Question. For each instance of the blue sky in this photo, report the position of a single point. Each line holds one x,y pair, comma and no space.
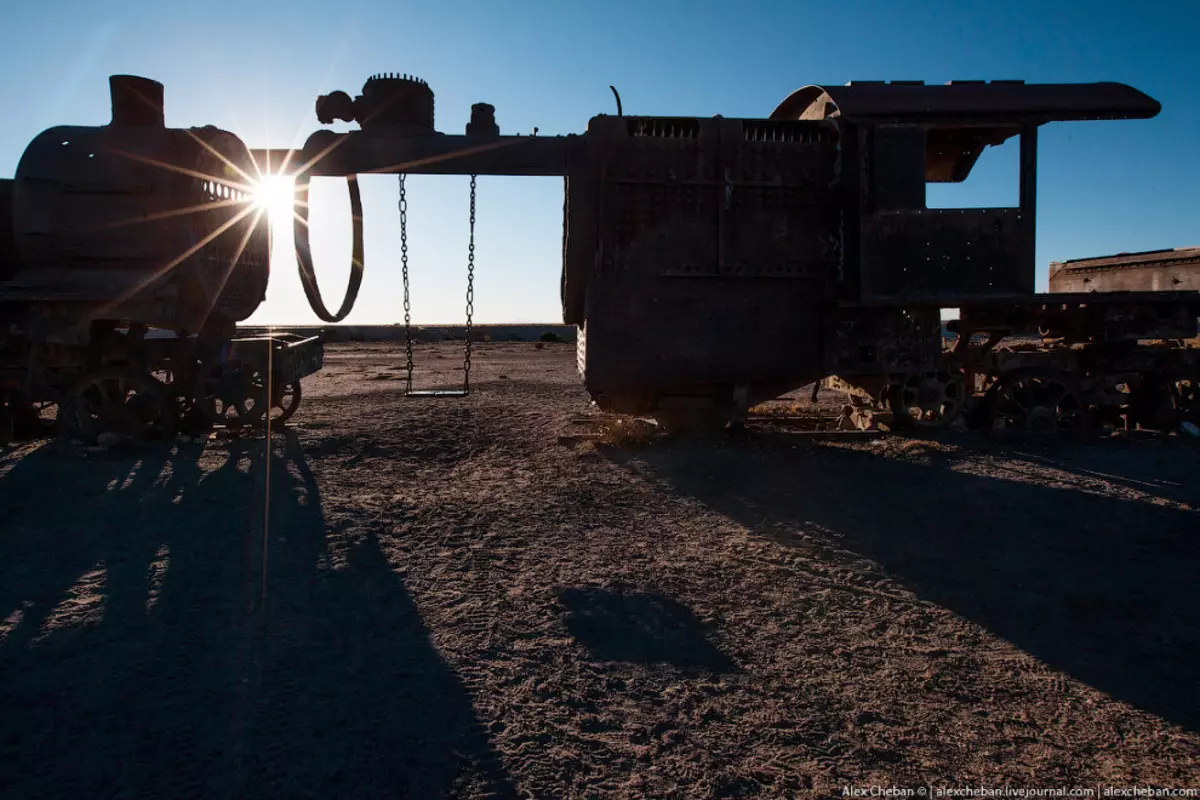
255,68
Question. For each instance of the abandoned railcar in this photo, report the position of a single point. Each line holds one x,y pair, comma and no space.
709,263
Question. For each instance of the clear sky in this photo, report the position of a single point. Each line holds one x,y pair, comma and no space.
254,67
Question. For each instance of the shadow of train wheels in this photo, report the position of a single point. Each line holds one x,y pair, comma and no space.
1043,404
927,400
116,402
284,403
233,395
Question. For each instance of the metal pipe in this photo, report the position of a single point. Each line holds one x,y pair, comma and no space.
358,153
136,101
1028,205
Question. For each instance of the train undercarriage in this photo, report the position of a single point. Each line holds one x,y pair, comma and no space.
1057,363
129,383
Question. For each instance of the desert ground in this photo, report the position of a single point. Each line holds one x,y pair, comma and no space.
414,598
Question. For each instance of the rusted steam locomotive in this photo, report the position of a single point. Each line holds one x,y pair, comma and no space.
127,254
711,264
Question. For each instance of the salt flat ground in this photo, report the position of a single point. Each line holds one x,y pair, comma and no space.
419,598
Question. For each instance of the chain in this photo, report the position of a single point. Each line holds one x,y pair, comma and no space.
470,292
408,341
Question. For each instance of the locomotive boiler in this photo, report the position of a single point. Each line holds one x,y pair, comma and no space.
155,223
128,252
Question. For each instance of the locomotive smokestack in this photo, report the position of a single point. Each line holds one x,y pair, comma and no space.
136,102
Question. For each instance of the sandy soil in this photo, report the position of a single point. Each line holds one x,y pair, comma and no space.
425,598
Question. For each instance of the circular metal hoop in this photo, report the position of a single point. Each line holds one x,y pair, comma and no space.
304,258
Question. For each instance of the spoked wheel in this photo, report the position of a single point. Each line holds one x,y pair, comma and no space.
928,400
233,395
1038,404
116,401
284,403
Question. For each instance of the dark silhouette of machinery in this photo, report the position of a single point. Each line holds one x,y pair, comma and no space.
709,263
115,235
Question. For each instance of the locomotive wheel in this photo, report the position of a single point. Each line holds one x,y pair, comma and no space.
284,403
1038,404
928,400
116,401
233,395
179,392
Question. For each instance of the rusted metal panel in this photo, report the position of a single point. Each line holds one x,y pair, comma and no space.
944,255
718,197
719,242
660,193
684,335
898,182
884,341
1154,271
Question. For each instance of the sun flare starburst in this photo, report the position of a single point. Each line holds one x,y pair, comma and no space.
275,194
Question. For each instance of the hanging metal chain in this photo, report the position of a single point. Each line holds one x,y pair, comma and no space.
470,292
408,341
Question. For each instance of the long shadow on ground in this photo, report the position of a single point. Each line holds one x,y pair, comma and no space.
640,627
1100,588
151,649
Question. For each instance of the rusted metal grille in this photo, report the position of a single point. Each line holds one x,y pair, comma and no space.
664,128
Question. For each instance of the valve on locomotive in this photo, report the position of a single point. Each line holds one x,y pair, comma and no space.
397,105
400,103
137,221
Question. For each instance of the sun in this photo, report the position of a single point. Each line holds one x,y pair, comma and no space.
275,194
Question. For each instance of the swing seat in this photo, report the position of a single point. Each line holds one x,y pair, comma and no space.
437,393
408,338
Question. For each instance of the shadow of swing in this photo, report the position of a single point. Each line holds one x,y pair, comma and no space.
639,627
